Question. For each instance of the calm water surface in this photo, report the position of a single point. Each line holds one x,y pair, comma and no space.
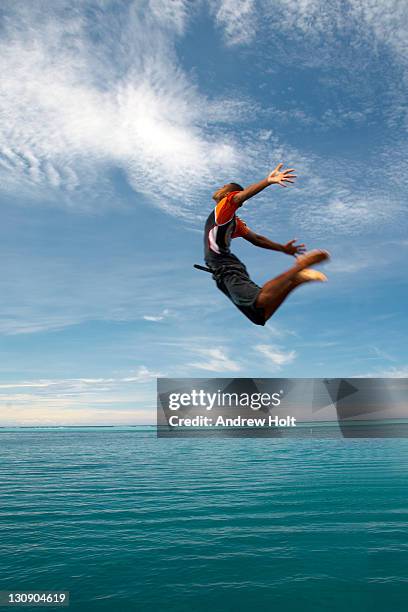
128,522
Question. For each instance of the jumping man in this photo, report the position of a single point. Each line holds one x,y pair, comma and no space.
230,274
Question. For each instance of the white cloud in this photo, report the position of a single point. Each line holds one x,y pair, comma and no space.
387,20
33,384
157,318
237,18
275,355
76,401
394,372
172,14
372,21
143,375
381,354
276,331
70,107
77,385
215,360
330,206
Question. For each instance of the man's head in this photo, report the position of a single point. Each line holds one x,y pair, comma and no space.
222,191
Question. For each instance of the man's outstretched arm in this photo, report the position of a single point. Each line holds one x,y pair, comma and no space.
290,248
277,176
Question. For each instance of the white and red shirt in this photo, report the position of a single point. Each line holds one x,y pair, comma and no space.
221,227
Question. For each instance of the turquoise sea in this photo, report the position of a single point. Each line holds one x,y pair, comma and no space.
126,521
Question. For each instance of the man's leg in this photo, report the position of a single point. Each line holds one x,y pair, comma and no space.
275,291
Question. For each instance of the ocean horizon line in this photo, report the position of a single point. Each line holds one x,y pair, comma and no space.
300,424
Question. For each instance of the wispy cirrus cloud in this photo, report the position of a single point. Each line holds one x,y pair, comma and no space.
72,386
275,355
394,372
319,22
307,33
80,400
237,18
72,106
215,360
156,318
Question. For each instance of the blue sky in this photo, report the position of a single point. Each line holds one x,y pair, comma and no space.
119,119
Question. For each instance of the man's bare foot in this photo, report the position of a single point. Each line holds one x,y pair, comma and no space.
312,258
307,275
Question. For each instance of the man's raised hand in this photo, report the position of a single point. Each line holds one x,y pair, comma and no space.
294,249
281,177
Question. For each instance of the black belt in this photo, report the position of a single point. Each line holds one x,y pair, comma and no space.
203,268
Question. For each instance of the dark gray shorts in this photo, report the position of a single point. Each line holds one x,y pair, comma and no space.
233,280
